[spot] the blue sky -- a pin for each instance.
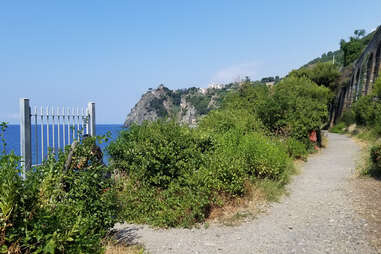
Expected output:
(71, 52)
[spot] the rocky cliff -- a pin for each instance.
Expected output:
(185, 106)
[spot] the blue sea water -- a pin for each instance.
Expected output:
(12, 138)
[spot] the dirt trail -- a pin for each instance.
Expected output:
(319, 216)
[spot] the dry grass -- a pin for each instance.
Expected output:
(121, 249)
(324, 140)
(237, 210)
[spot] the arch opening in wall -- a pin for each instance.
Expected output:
(369, 71)
(356, 88)
(377, 65)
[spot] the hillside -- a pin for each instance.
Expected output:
(182, 105)
(357, 44)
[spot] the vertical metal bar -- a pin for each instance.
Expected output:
(68, 126)
(25, 136)
(63, 128)
(83, 120)
(91, 107)
(73, 124)
(53, 130)
(58, 129)
(87, 121)
(78, 130)
(47, 128)
(36, 132)
(42, 134)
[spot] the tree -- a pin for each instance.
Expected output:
(352, 49)
(323, 74)
(359, 33)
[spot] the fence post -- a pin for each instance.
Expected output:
(91, 122)
(25, 135)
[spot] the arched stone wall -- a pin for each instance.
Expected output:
(366, 70)
(369, 73)
(377, 64)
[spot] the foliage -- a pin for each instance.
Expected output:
(377, 88)
(349, 50)
(339, 128)
(221, 121)
(375, 156)
(337, 56)
(55, 211)
(296, 149)
(293, 108)
(367, 112)
(323, 74)
(200, 102)
(296, 107)
(348, 117)
(157, 105)
(159, 152)
(174, 174)
(275, 79)
(354, 46)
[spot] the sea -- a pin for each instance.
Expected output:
(12, 139)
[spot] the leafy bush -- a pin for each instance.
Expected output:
(348, 117)
(159, 152)
(365, 110)
(54, 210)
(221, 121)
(377, 88)
(297, 107)
(174, 174)
(161, 161)
(375, 156)
(338, 128)
(296, 149)
(323, 74)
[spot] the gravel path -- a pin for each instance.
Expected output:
(317, 217)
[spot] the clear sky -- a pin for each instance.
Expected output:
(71, 52)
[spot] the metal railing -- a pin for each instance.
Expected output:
(51, 129)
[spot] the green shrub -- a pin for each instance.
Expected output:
(221, 121)
(174, 174)
(338, 128)
(293, 108)
(348, 117)
(265, 158)
(162, 161)
(159, 152)
(297, 107)
(365, 110)
(55, 211)
(375, 156)
(296, 149)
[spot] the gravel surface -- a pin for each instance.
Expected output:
(317, 217)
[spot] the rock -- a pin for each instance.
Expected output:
(185, 106)
(352, 128)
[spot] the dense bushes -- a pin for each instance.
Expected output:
(54, 211)
(296, 107)
(366, 110)
(173, 175)
(176, 174)
(323, 74)
(375, 155)
(159, 152)
(292, 108)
